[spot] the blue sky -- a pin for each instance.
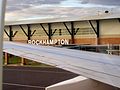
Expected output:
(44, 9)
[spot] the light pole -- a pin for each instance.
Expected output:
(2, 15)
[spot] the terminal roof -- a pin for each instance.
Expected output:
(65, 19)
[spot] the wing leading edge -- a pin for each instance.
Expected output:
(100, 67)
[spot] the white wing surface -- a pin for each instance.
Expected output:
(101, 67)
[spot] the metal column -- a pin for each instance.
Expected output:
(6, 58)
(49, 31)
(22, 61)
(98, 31)
(10, 33)
(2, 14)
(72, 32)
(29, 32)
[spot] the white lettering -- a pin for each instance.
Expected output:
(58, 41)
(62, 42)
(55, 41)
(49, 42)
(33, 42)
(66, 42)
(37, 42)
(29, 41)
(44, 42)
(40, 42)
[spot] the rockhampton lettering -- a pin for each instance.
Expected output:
(49, 42)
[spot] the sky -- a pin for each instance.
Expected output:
(17, 10)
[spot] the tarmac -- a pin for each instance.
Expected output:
(32, 78)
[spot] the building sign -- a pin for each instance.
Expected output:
(49, 42)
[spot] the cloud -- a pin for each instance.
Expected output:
(103, 2)
(45, 9)
(13, 5)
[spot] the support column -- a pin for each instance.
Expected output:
(73, 32)
(2, 20)
(22, 61)
(10, 33)
(109, 49)
(98, 32)
(6, 58)
(50, 31)
(29, 32)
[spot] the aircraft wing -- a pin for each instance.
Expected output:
(101, 67)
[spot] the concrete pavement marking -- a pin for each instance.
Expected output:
(21, 85)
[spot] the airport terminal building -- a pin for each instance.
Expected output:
(90, 31)
(94, 30)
